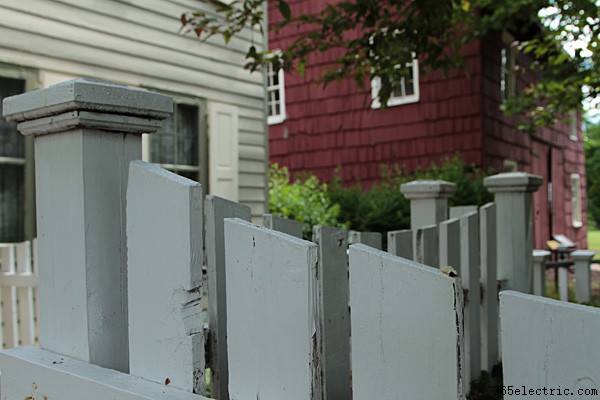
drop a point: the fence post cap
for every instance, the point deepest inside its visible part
(583, 255)
(513, 182)
(540, 255)
(427, 189)
(86, 94)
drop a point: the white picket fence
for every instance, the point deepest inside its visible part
(18, 294)
(121, 251)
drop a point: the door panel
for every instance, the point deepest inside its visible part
(223, 154)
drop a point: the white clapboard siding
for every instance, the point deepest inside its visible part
(549, 344)
(138, 43)
(18, 287)
(164, 251)
(406, 324)
(272, 338)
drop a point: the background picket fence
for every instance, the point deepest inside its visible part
(122, 244)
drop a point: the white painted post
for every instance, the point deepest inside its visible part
(86, 133)
(514, 208)
(428, 201)
(427, 245)
(470, 276)
(406, 329)
(272, 314)
(450, 243)
(548, 344)
(539, 271)
(216, 209)
(583, 274)
(563, 283)
(285, 225)
(489, 312)
(372, 239)
(164, 230)
(25, 307)
(459, 211)
(400, 243)
(334, 315)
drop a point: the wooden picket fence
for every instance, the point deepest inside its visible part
(121, 249)
(18, 293)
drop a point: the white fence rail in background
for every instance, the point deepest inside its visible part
(287, 317)
(19, 293)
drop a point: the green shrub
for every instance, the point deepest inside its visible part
(305, 200)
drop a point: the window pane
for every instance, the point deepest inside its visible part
(187, 132)
(11, 141)
(11, 203)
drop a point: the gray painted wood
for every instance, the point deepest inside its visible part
(583, 274)
(489, 312)
(563, 284)
(216, 209)
(164, 230)
(285, 225)
(539, 271)
(549, 344)
(400, 243)
(450, 243)
(372, 239)
(272, 314)
(398, 347)
(514, 210)
(81, 181)
(459, 211)
(470, 277)
(33, 373)
(427, 245)
(334, 313)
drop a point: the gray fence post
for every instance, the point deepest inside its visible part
(372, 239)
(285, 225)
(427, 248)
(400, 243)
(583, 274)
(86, 133)
(489, 311)
(428, 201)
(539, 271)
(514, 205)
(450, 243)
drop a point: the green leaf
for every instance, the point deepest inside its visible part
(285, 10)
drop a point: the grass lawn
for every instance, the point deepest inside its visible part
(594, 240)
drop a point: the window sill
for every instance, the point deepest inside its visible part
(276, 119)
(577, 224)
(398, 101)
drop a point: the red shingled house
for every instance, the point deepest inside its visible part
(428, 119)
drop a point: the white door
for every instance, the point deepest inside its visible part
(223, 137)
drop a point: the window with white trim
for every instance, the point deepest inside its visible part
(576, 214)
(573, 124)
(508, 59)
(406, 92)
(275, 95)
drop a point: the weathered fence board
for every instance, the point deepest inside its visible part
(459, 211)
(164, 228)
(32, 373)
(334, 315)
(469, 273)
(427, 245)
(583, 275)
(539, 271)
(549, 344)
(272, 313)
(406, 329)
(216, 209)
(489, 312)
(372, 239)
(450, 243)
(400, 243)
(285, 225)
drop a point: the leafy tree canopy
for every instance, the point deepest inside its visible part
(377, 37)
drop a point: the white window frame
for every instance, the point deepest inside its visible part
(397, 100)
(280, 87)
(573, 134)
(576, 207)
(508, 61)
